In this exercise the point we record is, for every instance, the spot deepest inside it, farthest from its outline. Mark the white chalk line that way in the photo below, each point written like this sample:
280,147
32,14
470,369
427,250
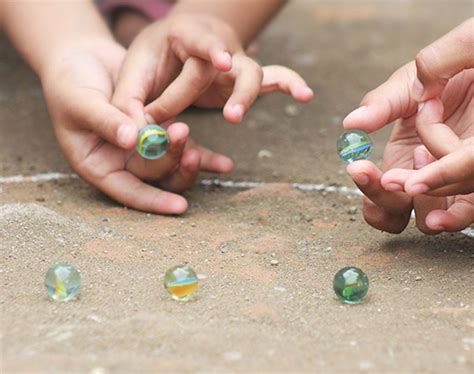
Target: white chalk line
47,177
308,187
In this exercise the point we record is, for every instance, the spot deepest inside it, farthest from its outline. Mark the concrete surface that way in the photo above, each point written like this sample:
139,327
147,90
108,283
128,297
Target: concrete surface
250,315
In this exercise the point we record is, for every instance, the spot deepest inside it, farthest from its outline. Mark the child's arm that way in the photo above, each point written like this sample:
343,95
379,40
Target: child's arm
41,30
246,17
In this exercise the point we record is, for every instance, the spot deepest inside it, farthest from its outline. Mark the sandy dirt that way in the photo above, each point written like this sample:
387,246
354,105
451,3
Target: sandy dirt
252,313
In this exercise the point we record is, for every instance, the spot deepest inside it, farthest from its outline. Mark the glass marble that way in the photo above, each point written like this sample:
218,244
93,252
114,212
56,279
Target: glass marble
181,282
63,282
351,285
354,145
152,142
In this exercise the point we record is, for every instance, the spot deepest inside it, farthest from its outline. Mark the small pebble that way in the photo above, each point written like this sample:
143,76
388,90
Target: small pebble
418,278
292,110
352,210
274,262
265,154
232,356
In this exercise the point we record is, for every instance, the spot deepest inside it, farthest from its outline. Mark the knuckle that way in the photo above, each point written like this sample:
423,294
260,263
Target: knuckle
199,80
160,110
371,96
425,62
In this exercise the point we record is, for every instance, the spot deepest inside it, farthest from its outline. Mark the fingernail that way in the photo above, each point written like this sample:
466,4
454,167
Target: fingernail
418,89
227,56
306,91
238,110
418,189
359,112
361,179
393,187
125,135
149,118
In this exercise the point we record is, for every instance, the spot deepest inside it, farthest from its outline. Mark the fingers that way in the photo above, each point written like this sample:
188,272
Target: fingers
383,220
132,192
459,216
443,59
252,80
195,77
387,211
204,42
455,170
99,116
386,103
424,204
139,80
214,162
187,173
438,138
280,78
394,179
208,47
248,79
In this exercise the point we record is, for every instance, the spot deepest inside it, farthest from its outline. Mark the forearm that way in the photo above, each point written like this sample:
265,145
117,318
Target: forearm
247,17
39,29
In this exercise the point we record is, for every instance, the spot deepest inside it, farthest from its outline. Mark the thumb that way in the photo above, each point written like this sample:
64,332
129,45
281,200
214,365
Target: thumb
108,122
386,103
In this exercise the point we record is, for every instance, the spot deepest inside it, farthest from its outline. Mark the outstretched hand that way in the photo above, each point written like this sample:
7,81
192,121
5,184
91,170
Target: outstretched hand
196,60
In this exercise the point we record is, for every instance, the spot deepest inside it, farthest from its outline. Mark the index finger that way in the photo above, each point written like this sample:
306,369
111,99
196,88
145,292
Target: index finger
386,103
443,59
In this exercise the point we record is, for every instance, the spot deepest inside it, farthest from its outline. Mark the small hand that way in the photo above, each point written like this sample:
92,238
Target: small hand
98,139
198,60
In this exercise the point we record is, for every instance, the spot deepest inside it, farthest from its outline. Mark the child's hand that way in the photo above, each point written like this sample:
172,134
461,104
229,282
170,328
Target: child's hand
98,139
387,206
436,64
198,60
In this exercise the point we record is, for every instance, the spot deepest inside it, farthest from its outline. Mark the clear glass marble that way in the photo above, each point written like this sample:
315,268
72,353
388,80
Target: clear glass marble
181,282
351,285
152,142
63,282
354,145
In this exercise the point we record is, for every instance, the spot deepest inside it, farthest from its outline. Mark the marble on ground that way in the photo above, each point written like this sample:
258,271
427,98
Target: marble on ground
266,255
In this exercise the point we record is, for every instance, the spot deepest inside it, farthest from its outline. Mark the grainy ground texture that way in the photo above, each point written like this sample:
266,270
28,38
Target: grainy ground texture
252,314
